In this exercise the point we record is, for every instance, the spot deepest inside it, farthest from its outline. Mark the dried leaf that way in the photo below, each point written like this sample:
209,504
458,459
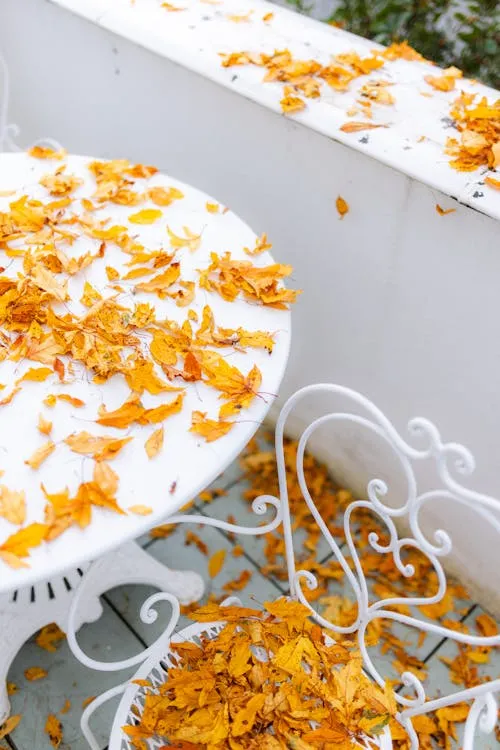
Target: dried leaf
216,562
100,448
291,104
444,211
210,429
140,510
357,127
44,426
40,455
491,182
146,216
49,636
9,725
154,443
53,728
35,673
342,206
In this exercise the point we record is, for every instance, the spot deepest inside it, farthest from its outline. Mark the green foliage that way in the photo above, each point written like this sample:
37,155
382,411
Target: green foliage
464,33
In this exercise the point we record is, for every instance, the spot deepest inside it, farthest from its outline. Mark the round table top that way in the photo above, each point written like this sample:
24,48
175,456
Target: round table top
78,340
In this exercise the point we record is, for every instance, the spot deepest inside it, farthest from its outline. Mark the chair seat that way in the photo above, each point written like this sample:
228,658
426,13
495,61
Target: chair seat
154,670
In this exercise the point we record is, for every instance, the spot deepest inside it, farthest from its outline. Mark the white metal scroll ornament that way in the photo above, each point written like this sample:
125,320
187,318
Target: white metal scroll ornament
449,459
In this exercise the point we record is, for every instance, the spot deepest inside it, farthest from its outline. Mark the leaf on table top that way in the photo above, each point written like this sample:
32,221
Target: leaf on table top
44,426
100,448
12,505
210,429
145,216
40,455
154,443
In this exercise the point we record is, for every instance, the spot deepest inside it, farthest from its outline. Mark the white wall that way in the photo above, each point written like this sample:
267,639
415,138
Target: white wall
398,302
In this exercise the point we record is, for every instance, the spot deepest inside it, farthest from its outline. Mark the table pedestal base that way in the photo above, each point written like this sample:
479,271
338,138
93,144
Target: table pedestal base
29,609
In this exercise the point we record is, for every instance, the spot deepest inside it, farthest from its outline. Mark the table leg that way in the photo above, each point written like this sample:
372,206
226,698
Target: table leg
26,611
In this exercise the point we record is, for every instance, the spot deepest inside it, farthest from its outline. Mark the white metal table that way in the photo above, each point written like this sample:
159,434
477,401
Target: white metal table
40,593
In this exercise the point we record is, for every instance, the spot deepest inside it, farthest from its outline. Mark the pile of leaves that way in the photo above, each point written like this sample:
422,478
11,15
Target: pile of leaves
476,119
58,329
269,680
385,581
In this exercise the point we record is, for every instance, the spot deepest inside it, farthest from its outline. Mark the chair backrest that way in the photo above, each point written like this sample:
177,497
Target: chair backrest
448,459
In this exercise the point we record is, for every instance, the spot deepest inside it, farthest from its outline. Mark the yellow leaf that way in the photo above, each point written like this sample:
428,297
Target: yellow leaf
36,374
44,152
12,505
146,216
20,543
106,478
154,443
49,636
40,455
162,197
9,725
342,206
210,429
216,562
140,510
100,448
492,183
161,283
48,282
291,104
44,426
191,240
35,673
244,720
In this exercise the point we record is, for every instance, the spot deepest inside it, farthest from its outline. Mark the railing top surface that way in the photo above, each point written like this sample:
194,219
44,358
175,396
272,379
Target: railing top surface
418,123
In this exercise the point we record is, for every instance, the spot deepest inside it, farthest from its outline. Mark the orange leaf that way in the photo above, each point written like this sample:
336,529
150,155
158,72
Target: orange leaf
342,206
36,374
12,505
491,182
357,127
216,562
292,104
35,673
210,429
100,448
444,211
53,728
44,426
40,455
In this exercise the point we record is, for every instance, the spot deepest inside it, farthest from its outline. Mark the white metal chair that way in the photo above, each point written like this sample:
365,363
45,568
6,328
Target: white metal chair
448,459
